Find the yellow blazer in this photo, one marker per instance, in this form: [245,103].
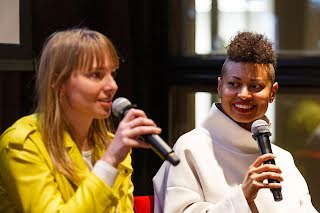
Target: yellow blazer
[29,182]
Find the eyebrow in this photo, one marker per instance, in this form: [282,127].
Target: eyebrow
[252,80]
[235,77]
[102,68]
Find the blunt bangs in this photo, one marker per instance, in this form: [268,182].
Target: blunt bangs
[95,47]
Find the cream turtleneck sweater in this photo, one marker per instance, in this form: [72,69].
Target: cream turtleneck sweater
[214,161]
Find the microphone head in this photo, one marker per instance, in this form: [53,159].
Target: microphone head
[119,106]
[259,126]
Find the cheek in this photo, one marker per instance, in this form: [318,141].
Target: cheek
[227,100]
[86,87]
[227,95]
[262,103]
[264,95]
[78,92]
[88,94]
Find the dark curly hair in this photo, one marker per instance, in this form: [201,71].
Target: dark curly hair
[252,48]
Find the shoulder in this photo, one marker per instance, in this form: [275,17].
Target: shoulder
[278,150]
[16,135]
[22,143]
[198,138]
[282,154]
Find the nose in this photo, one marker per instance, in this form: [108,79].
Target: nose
[110,84]
[244,93]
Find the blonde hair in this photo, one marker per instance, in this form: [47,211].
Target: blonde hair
[63,53]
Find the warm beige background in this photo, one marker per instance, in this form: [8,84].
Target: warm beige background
[9,22]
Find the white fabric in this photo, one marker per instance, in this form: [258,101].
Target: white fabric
[87,156]
[106,172]
[102,169]
[214,161]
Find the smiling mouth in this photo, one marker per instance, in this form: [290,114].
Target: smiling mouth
[243,106]
[104,100]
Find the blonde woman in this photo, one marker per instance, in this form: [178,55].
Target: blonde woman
[64,158]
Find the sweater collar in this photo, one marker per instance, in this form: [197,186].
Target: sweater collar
[227,133]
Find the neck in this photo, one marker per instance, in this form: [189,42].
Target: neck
[79,134]
[79,130]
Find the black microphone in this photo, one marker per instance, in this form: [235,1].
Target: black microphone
[260,132]
[120,107]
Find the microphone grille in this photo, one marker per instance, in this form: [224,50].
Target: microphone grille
[259,126]
[119,105]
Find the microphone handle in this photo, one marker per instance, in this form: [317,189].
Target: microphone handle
[161,148]
[265,147]
[277,195]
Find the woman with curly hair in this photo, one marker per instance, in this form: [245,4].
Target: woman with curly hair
[221,167]
[65,157]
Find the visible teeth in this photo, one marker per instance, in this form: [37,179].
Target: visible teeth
[241,106]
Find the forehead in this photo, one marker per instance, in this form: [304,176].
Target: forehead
[247,70]
[102,61]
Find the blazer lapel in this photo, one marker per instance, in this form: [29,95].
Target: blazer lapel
[76,156]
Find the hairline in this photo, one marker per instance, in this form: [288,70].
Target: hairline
[270,70]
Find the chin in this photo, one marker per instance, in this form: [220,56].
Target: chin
[103,115]
[244,120]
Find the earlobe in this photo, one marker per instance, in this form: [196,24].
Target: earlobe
[219,87]
[274,90]
[271,99]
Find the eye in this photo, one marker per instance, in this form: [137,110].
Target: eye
[232,84]
[96,75]
[256,86]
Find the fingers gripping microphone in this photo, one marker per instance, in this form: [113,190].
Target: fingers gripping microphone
[120,107]
[261,133]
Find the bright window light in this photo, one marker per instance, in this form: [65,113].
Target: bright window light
[271,114]
[202,106]
[203,6]
[232,5]
[203,37]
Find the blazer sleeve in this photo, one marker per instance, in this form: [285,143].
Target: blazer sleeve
[33,185]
